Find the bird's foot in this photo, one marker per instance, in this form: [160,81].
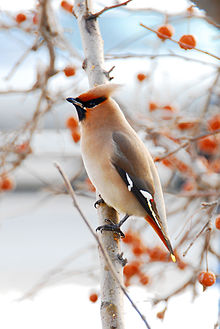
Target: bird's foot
[99,202]
[112,227]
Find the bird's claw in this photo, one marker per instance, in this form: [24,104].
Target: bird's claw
[99,202]
[111,227]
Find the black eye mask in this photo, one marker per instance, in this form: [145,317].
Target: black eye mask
[92,103]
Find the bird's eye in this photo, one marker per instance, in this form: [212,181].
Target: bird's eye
[94,102]
[91,103]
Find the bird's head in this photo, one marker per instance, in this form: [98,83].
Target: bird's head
[89,100]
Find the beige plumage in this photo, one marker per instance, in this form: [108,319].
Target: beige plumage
[117,161]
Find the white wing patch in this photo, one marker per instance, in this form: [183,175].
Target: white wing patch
[130,185]
[146,195]
[149,197]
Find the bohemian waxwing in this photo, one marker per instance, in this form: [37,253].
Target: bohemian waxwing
[118,163]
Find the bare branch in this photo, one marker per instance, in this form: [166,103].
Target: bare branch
[195,238]
[92,16]
[190,139]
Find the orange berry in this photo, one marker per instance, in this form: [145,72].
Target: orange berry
[217,222]
[23,148]
[152,106]
[20,18]
[187,41]
[214,123]
[157,254]
[181,166]
[67,6]
[131,269]
[136,239]
[128,237]
[188,186]
[184,125]
[76,136]
[69,71]
[215,165]
[138,250]
[144,279]
[141,76]
[90,185]
[35,18]
[167,162]
[208,144]
[160,315]
[169,108]
[165,31]
[207,279]
[93,298]
[72,123]
[6,183]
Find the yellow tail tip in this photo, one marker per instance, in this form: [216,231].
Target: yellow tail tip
[173,258]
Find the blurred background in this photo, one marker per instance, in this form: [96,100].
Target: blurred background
[170,95]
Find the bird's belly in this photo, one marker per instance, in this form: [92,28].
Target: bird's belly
[112,188]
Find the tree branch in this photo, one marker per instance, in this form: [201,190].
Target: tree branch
[92,16]
[185,144]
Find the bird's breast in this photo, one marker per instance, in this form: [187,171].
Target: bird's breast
[97,155]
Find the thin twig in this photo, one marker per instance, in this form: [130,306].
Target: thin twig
[22,58]
[179,43]
[105,255]
[195,238]
[153,56]
[175,292]
[92,16]
[209,204]
[190,139]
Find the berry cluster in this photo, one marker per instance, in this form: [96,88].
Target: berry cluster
[187,41]
[143,254]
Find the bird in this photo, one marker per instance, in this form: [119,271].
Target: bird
[118,163]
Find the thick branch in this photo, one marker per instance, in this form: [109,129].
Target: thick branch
[92,44]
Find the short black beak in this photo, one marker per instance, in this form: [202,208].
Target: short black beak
[81,111]
[74,102]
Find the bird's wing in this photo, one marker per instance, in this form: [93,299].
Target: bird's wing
[136,168]
[135,171]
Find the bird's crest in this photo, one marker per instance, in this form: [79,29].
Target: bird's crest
[105,90]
